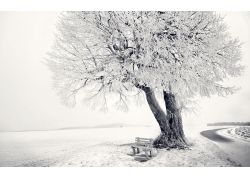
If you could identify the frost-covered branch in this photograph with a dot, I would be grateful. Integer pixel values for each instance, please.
(124, 52)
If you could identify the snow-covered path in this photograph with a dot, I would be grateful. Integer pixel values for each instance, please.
(237, 149)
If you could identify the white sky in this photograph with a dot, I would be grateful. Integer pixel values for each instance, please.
(27, 100)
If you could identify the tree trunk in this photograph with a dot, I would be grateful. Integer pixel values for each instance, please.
(172, 134)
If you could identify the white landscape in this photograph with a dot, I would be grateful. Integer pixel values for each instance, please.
(77, 88)
(106, 147)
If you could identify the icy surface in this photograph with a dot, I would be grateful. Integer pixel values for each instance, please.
(239, 149)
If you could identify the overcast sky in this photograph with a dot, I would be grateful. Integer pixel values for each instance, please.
(28, 101)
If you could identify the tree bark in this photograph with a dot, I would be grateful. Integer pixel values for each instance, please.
(172, 134)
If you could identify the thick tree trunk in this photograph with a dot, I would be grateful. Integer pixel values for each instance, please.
(172, 134)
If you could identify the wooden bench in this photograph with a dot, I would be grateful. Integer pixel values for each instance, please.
(143, 143)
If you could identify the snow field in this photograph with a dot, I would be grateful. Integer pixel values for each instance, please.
(202, 153)
(105, 147)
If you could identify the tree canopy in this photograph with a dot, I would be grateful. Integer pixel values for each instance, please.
(118, 53)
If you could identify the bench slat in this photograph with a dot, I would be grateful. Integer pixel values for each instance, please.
(142, 147)
(139, 142)
(144, 138)
(145, 144)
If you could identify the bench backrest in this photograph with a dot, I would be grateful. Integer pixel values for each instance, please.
(144, 142)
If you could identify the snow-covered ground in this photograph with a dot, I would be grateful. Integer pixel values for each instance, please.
(241, 132)
(104, 147)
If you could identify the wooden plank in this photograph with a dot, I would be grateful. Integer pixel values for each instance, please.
(136, 145)
(144, 148)
(148, 140)
(139, 142)
(145, 141)
(144, 144)
(144, 138)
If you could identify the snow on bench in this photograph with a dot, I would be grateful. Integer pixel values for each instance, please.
(143, 143)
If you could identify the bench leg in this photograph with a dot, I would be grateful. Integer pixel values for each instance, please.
(146, 152)
(151, 153)
(138, 150)
(133, 150)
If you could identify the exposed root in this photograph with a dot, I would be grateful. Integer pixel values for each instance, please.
(171, 143)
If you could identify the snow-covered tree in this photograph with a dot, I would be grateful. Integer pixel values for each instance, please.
(124, 55)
